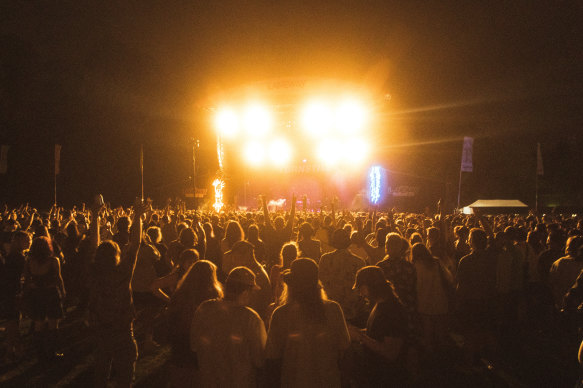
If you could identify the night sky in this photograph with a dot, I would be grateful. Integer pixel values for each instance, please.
(102, 77)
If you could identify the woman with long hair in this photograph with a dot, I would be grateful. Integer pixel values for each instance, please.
(198, 284)
(307, 334)
(45, 291)
(233, 233)
(242, 255)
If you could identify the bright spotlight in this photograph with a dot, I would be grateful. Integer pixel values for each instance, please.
(257, 119)
(329, 152)
(317, 118)
(280, 152)
(227, 122)
(351, 115)
(254, 153)
(356, 151)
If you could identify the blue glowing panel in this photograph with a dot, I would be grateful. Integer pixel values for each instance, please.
(374, 177)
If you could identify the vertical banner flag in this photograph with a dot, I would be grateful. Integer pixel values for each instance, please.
(57, 159)
(467, 160)
(539, 161)
(4, 159)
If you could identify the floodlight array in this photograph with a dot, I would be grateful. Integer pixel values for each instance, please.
(334, 127)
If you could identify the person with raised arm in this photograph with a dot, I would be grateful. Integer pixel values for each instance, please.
(111, 305)
(275, 233)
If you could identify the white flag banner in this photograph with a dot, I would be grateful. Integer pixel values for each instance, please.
(467, 158)
(4, 159)
(539, 161)
(57, 159)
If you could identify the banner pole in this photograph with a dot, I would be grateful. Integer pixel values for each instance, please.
(536, 193)
(142, 169)
(459, 190)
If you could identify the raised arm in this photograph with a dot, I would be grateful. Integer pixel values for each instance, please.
(292, 215)
(140, 209)
(94, 226)
(266, 218)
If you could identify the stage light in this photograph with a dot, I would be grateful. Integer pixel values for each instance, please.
(280, 152)
(329, 152)
(227, 122)
(356, 151)
(257, 119)
(254, 153)
(374, 176)
(351, 115)
(317, 117)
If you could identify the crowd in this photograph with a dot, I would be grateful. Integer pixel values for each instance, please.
(293, 298)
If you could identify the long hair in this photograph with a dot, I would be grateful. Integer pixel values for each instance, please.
(308, 294)
(420, 254)
(208, 230)
(289, 252)
(233, 233)
(198, 284)
(107, 256)
(41, 249)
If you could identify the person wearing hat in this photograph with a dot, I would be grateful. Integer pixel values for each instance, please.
(307, 334)
(337, 271)
(383, 339)
(229, 337)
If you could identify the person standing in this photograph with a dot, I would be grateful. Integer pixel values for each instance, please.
(196, 286)
(111, 306)
(228, 337)
(44, 291)
(337, 271)
(307, 334)
(11, 268)
(387, 329)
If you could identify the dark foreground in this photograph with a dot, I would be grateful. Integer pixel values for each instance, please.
(533, 359)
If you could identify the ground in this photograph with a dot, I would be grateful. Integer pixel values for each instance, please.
(544, 360)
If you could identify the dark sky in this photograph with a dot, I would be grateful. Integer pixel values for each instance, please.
(103, 77)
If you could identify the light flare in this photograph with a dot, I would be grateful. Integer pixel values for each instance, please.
(254, 153)
(227, 122)
(351, 116)
(317, 117)
(280, 152)
(257, 119)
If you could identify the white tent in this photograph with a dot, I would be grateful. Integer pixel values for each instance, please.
(498, 203)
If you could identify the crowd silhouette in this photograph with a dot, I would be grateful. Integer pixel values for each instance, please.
(297, 298)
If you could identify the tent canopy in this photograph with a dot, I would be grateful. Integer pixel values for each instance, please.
(498, 203)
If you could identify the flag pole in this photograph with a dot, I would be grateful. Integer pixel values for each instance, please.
(459, 190)
(142, 169)
(536, 193)
(56, 170)
(539, 171)
(55, 185)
